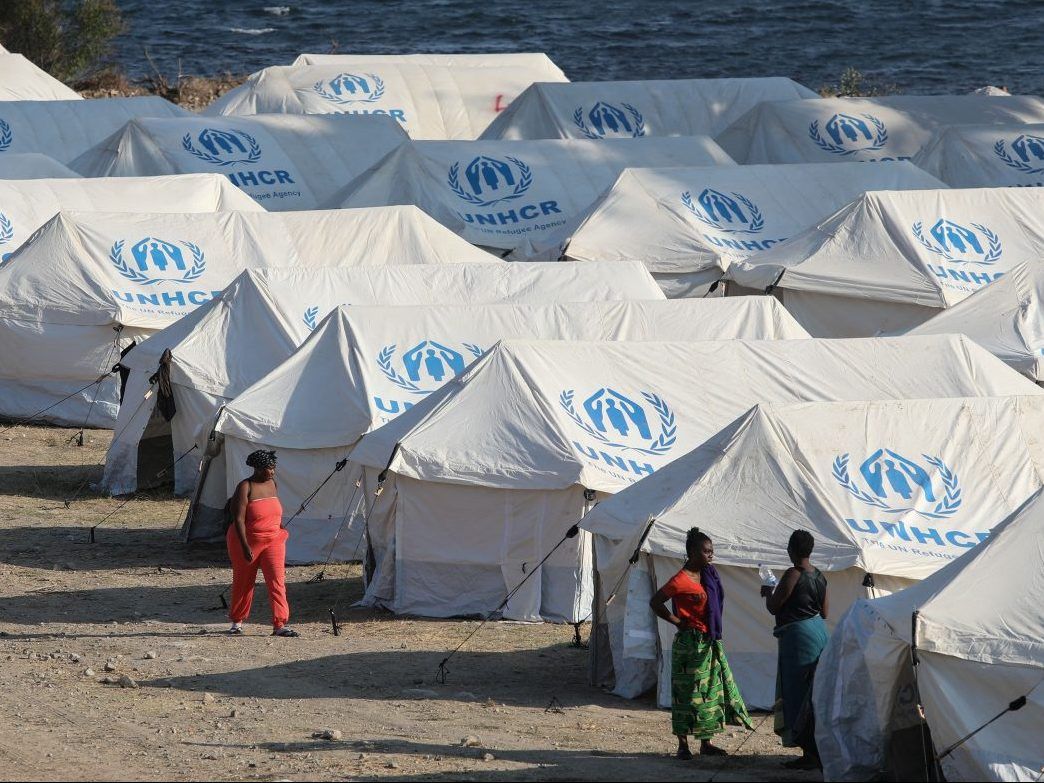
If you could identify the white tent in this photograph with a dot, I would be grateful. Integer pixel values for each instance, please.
(285, 161)
(480, 490)
(628, 109)
(23, 80)
(831, 130)
(25, 205)
(986, 156)
(891, 260)
(976, 627)
(84, 274)
(430, 100)
(1006, 318)
(32, 165)
(893, 489)
(273, 312)
(689, 224)
(511, 194)
(63, 130)
(379, 361)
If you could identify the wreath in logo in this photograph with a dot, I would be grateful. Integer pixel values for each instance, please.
(525, 180)
(5, 136)
(661, 445)
(757, 221)
(6, 229)
(639, 122)
(193, 273)
(1026, 168)
(946, 507)
(253, 155)
(880, 138)
(311, 318)
(993, 252)
(384, 362)
(375, 95)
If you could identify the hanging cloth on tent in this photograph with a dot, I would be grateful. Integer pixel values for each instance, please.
(164, 390)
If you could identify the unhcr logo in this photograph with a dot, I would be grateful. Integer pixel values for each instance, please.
(420, 370)
(896, 484)
(488, 181)
(847, 134)
(348, 88)
(158, 261)
(223, 147)
(6, 234)
(1027, 153)
(612, 420)
(605, 120)
(960, 244)
(731, 214)
(6, 137)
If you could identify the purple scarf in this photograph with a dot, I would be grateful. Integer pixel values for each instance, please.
(715, 600)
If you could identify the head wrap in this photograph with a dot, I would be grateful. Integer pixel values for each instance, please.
(261, 459)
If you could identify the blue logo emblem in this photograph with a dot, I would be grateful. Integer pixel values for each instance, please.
(158, 261)
(1029, 154)
(6, 229)
(735, 214)
(606, 121)
(426, 366)
(5, 136)
(311, 318)
(488, 181)
(347, 88)
(848, 134)
(960, 244)
(223, 147)
(898, 485)
(620, 422)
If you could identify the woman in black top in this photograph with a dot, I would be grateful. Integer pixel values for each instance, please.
(799, 603)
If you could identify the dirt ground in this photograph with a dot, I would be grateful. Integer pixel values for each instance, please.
(204, 706)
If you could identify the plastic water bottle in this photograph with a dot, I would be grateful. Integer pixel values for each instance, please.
(768, 579)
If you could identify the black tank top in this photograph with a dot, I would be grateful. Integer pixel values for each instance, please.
(806, 600)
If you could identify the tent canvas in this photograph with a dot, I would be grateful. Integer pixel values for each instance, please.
(689, 224)
(429, 100)
(1004, 317)
(986, 156)
(284, 161)
(64, 130)
(882, 494)
(23, 80)
(25, 205)
(980, 646)
(832, 130)
(629, 109)
(33, 165)
(365, 365)
(592, 417)
(274, 311)
(510, 195)
(84, 274)
(891, 260)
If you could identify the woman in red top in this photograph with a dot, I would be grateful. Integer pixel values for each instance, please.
(256, 538)
(704, 696)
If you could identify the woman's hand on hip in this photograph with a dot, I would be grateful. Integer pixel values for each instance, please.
(247, 553)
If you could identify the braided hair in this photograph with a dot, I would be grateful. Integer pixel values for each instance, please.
(261, 459)
(694, 540)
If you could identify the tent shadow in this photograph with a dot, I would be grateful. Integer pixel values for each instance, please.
(114, 547)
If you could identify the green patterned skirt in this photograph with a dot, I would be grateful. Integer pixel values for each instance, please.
(704, 696)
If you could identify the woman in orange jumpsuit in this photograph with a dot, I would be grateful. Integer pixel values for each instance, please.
(256, 539)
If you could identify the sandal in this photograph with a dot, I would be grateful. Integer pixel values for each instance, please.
(235, 630)
(683, 754)
(286, 631)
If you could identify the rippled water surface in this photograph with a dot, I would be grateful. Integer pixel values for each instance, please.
(924, 47)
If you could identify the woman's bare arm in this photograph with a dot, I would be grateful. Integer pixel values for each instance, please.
(658, 603)
(826, 603)
(239, 507)
(779, 596)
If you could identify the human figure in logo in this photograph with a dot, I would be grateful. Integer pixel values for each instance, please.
(704, 695)
(256, 539)
(898, 480)
(159, 253)
(217, 142)
(799, 604)
(916, 474)
(435, 364)
(617, 409)
(1025, 146)
(851, 128)
(605, 117)
(718, 206)
(488, 172)
(955, 237)
(349, 83)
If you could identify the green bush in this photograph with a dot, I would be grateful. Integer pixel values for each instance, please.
(67, 38)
